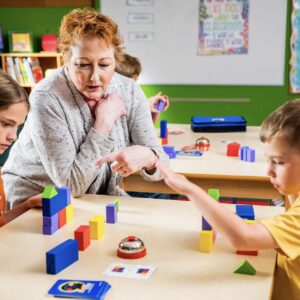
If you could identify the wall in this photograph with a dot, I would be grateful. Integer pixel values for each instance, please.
(263, 99)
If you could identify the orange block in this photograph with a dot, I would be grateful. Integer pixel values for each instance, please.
(82, 235)
(62, 218)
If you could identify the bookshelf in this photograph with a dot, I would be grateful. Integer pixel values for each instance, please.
(29, 68)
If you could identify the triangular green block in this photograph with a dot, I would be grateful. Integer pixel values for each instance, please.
(214, 193)
(245, 268)
(116, 203)
(49, 192)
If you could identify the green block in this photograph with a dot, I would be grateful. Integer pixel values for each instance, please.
(245, 268)
(214, 193)
(49, 192)
(116, 203)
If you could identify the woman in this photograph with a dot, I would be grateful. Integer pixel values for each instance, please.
(14, 106)
(81, 113)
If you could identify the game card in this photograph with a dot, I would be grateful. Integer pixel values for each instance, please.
(80, 289)
(129, 271)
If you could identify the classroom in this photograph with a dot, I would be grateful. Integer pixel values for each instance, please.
(149, 149)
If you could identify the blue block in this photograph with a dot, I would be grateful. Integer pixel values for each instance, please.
(67, 191)
(168, 149)
(55, 204)
(205, 225)
(48, 221)
(61, 256)
(160, 105)
(245, 211)
(163, 129)
(111, 213)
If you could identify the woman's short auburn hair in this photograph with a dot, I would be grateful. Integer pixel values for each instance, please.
(88, 23)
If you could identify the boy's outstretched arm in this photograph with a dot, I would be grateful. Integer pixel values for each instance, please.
(242, 236)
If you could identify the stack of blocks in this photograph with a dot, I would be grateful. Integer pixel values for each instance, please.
(164, 132)
(57, 208)
(208, 234)
(247, 154)
(170, 151)
(246, 212)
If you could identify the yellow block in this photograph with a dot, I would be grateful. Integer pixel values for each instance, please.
(206, 241)
(249, 221)
(96, 227)
(69, 213)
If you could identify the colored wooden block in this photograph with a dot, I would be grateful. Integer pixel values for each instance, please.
(55, 204)
(66, 192)
(233, 149)
(111, 213)
(245, 211)
(116, 203)
(61, 256)
(50, 229)
(62, 218)
(82, 235)
(163, 129)
(205, 225)
(214, 193)
(248, 252)
(243, 151)
(49, 221)
(206, 241)
(164, 141)
(250, 155)
(69, 213)
(96, 227)
(49, 192)
(160, 105)
(245, 268)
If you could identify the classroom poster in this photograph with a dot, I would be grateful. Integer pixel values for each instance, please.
(223, 27)
(295, 49)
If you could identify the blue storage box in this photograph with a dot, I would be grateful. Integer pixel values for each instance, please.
(218, 124)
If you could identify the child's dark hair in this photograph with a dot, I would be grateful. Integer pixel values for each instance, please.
(11, 92)
(130, 66)
(284, 122)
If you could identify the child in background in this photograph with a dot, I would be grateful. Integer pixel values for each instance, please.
(14, 106)
(280, 135)
(131, 67)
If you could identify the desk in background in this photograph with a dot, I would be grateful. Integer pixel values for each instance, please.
(170, 230)
(234, 178)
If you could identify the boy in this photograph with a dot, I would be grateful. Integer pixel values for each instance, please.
(131, 67)
(280, 135)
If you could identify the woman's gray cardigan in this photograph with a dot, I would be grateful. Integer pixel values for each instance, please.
(58, 145)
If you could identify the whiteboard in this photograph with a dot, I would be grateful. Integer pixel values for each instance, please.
(168, 50)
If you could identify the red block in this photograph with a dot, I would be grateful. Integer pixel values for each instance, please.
(82, 235)
(164, 141)
(233, 149)
(62, 218)
(247, 252)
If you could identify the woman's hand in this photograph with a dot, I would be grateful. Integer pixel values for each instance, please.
(107, 111)
(177, 182)
(130, 160)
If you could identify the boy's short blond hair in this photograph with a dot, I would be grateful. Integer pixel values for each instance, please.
(88, 23)
(130, 66)
(284, 123)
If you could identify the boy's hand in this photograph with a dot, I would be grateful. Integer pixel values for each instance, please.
(154, 101)
(177, 182)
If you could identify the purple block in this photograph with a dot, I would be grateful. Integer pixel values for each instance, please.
(48, 230)
(250, 155)
(49, 221)
(205, 225)
(160, 105)
(168, 149)
(111, 213)
(243, 151)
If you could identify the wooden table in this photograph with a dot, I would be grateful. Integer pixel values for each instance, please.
(170, 230)
(234, 178)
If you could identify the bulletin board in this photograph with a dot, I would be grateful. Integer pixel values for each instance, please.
(163, 34)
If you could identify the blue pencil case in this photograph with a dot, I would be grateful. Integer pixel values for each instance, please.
(218, 124)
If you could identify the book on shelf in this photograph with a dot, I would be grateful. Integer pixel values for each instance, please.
(36, 69)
